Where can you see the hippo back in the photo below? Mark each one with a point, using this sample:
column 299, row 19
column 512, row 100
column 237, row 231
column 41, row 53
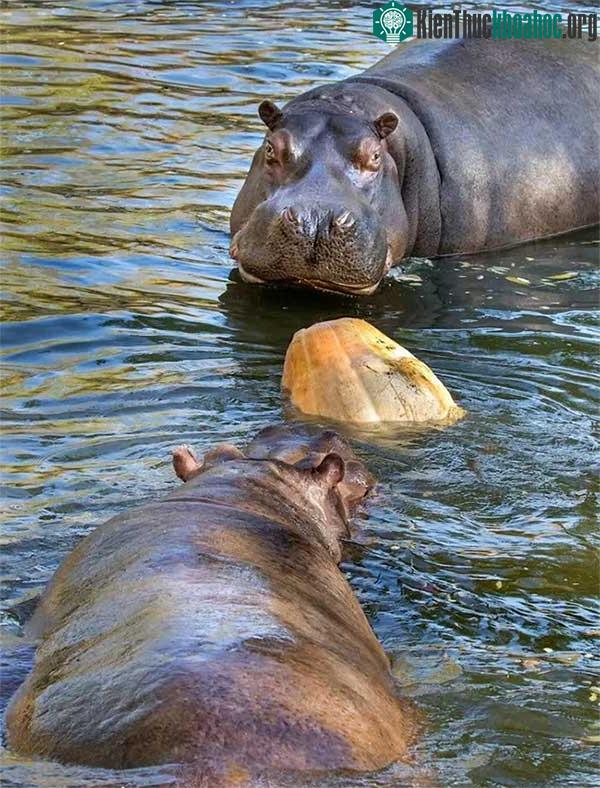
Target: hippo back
column 213, row 628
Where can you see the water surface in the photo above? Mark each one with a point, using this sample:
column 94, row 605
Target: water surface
column 128, row 127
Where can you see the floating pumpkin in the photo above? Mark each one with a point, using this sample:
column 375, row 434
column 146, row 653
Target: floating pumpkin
column 348, row 370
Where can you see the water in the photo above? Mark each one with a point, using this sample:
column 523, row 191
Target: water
column 129, row 127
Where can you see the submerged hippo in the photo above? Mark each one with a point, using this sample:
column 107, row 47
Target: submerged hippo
column 214, row 629
column 440, row 148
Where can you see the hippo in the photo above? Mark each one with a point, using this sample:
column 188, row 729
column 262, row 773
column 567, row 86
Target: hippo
column 213, row 629
column 440, row 148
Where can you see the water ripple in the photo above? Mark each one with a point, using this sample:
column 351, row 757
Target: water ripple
column 128, row 129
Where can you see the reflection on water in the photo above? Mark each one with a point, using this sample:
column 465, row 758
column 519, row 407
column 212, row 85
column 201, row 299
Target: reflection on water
column 128, row 127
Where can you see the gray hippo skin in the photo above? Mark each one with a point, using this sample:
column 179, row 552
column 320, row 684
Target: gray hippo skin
column 214, row 629
column 440, row 148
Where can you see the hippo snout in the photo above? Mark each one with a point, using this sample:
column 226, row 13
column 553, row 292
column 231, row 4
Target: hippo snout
column 311, row 222
column 312, row 229
column 319, row 246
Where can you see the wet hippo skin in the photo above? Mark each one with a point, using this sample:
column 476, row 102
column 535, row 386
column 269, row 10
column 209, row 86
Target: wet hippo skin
column 442, row 147
column 213, row 628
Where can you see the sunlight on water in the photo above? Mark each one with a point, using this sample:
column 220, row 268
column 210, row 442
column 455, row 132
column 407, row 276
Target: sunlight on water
column 128, row 127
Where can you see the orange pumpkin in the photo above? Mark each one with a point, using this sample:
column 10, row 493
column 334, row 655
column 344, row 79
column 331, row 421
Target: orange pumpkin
column 348, row 370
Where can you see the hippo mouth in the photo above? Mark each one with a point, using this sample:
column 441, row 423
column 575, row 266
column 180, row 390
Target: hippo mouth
column 312, row 284
column 336, row 258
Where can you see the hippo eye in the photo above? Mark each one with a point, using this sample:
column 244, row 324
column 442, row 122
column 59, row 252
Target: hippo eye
column 269, row 151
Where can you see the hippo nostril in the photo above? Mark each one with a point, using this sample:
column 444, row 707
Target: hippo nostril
column 289, row 215
column 345, row 220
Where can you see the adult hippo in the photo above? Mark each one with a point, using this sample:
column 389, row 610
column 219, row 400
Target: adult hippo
column 440, row 148
column 214, row 629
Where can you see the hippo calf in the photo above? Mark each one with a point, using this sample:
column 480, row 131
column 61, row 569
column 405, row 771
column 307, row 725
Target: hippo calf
column 213, row 628
column 442, row 147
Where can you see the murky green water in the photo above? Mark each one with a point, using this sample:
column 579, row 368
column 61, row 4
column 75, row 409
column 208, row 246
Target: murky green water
column 128, row 127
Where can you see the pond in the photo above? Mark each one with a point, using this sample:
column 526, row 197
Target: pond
column 128, row 128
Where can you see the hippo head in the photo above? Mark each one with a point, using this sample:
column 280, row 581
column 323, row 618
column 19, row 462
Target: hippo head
column 321, row 206
column 323, row 454
column 307, row 451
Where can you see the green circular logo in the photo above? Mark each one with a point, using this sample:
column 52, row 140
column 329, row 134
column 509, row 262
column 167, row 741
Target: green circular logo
column 393, row 22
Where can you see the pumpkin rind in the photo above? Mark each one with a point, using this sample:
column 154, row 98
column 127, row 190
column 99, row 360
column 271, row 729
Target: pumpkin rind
column 347, row 370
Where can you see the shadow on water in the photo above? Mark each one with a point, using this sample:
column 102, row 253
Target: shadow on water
column 128, row 129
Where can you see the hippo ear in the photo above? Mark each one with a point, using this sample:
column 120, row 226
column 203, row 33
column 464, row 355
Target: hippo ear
column 386, row 123
column 185, row 463
column 269, row 113
column 224, row 452
column 331, row 469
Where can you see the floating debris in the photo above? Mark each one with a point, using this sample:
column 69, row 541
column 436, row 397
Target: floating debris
column 529, row 664
column 568, row 658
column 409, row 278
column 564, row 276
column 591, row 740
